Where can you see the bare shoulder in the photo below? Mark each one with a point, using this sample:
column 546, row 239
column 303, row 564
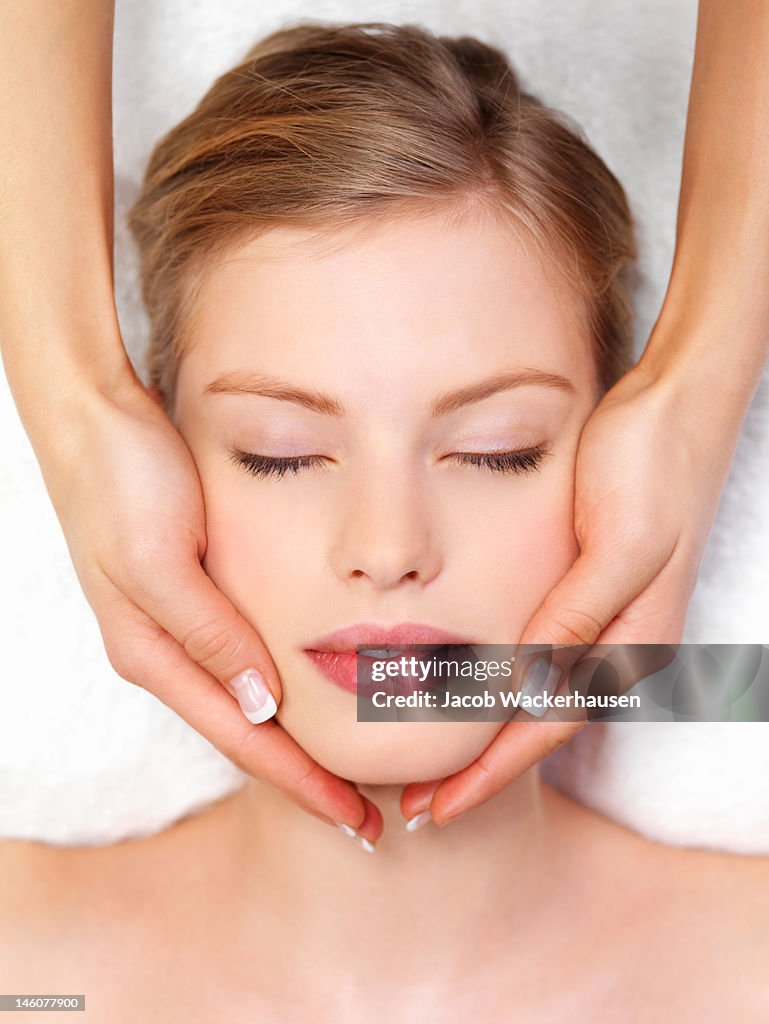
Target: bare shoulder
column 74, row 920
column 45, row 913
column 32, row 913
column 692, row 887
column 92, row 919
column 682, row 919
column 718, row 915
column 733, row 890
column 35, row 883
column 728, row 881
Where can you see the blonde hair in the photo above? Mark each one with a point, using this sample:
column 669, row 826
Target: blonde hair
column 324, row 125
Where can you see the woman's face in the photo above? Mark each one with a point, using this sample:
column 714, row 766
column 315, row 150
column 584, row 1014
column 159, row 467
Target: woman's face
column 348, row 352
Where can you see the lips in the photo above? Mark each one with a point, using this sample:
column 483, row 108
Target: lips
column 336, row 654
column 400, row 635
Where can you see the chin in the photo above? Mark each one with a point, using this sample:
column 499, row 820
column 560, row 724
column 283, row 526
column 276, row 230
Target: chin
column 395, row 753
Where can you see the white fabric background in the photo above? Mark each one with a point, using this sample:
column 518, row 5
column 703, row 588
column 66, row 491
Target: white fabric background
column 87, row 758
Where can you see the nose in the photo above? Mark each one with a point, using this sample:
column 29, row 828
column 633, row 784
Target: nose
column 385, row 534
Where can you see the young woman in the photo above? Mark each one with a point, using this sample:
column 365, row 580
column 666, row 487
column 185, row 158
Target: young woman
column 386, row 288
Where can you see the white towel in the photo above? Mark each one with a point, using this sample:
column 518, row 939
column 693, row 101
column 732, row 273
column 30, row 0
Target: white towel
column 87, row 758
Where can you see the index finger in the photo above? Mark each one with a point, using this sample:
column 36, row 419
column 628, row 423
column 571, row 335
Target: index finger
column 516, row 748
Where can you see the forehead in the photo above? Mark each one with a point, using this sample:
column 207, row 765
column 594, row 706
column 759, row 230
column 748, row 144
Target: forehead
column 391, row 297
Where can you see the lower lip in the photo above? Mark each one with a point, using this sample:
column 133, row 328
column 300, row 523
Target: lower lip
column 342, row 668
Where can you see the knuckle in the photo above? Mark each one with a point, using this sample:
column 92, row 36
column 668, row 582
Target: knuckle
column 484, row 766
column 243, row 752
column 574, row 625
column 124, row 661
column 312, row 782
column 558, row 735
column 212, row 642
column 137, row 653
column 250, row 752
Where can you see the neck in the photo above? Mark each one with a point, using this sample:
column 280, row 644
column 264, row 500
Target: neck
column 441, row 892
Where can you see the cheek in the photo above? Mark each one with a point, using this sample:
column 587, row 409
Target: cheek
column 257, row 555
column 519, row 548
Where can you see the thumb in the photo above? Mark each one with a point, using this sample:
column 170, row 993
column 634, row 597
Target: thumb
column 192, row 609
column 598, row 586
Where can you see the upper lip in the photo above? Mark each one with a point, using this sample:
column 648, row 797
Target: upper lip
column 370, row 634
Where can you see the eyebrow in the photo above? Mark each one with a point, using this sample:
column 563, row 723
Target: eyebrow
column 237, row 383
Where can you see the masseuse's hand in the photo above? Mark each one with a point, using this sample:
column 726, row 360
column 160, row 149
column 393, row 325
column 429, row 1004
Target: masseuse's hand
column 651, row 465
column 128, row 496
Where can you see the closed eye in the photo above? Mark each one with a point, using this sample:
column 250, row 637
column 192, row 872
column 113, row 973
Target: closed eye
column 268, row 465
column 521, row 460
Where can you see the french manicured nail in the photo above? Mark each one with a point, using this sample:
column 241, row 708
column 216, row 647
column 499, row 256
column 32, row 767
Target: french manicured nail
column 541, row 676
column 418, row 821
column 364, row 843
column 256, row 701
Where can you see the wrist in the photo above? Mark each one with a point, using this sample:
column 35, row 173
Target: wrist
column 72, row 428
column 57, row 377
column 709, row 356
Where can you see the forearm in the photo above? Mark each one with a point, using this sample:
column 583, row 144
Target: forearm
column 714, row 325
column 58, row 329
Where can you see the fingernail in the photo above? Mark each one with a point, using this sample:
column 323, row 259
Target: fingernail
column 256, row 701
column 418, row 821
column 364, row 843
column 541, row 676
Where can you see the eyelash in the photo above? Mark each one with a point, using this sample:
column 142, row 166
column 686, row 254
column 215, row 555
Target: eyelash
column 523, row 460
